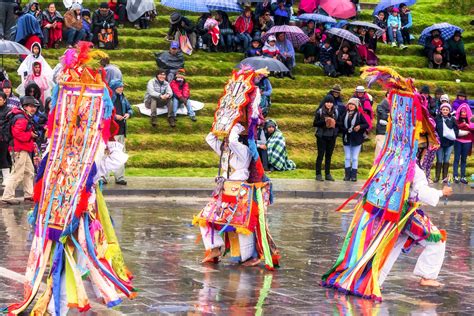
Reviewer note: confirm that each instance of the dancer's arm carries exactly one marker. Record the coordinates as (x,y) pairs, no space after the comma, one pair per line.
(424,192)
(214,142)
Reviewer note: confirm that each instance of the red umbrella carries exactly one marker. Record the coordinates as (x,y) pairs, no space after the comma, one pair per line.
(342,9)
(308,6)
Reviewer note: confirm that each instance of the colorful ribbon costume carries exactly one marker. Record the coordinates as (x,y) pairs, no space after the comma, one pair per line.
(73,233)
(383,207)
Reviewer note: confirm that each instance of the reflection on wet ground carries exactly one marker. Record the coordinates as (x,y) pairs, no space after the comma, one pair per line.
(159,246)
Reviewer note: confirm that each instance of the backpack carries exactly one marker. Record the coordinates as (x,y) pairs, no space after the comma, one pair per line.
(6,125)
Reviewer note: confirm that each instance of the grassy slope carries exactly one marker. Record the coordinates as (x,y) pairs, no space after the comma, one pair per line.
(183,152)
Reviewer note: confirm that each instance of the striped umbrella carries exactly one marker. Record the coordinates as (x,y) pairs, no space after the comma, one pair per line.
(378,30)
(293,33)
(12,48)
(344,34)
(317,18)
(447,31)
(186,5)
(223,5)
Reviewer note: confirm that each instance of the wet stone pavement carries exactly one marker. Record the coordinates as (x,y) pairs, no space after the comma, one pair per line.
(159,247)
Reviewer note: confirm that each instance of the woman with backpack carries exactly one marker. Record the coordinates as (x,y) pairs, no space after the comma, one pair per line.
(448,131)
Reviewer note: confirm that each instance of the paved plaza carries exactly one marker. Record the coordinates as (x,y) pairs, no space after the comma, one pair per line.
(159,247)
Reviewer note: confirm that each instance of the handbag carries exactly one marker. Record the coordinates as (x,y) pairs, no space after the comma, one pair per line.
(185,44)
(448,132)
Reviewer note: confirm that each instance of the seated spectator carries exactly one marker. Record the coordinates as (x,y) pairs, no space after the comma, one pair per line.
(335,92)
(263,83)
(181,94)
(435,50)
(394,26)
(211,26)
(8,7)
(112,72)
(463,143)
(12,100)
(33,8)
(276,148)
(28,30)
(310,49)
(381,22)
(180,25)
(226,40)
(456,54)
(327,59)
(371,44)
(243,30)
(287,52)
(118,7)
(353,126)
(73,25)
(326,120)
(141,12)
(123,111)
(281,13)
(255,49)
(407,23)
(159,94)
(265,23)
(461,97)
(87,24)
(171,60)
(5,159)
(26,67)
(345,65)
(365,104)
(270,49)
(69,3)
(202,32)
(104,31)
(52,24)
(262,7)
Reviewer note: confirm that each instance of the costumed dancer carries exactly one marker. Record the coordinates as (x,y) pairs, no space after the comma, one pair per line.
(387,214)
(74,239)
(234,221)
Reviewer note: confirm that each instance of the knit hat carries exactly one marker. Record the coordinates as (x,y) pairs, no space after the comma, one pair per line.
(425,89)
(336,88)
(360,89)
(328,98)
(445,105)
(256,38)
(29,100)
(439,90)
(395,10)
(114,84)
(175,17)
(181,72)
(271,38)
(444,97)
(75,6)
(354,101)
(6,84)
(104,5)
(462,93)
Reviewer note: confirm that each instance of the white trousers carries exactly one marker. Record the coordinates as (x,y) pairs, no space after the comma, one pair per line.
(429,262)
(246,242)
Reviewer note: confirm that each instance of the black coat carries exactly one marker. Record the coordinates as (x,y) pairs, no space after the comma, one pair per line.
(351,137)
(383,112)
(450,123)
(103,22)
(320,122)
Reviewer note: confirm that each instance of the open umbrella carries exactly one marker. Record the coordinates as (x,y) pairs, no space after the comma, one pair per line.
(341,9)
(378,30)
(383,4)
(293,33)
(223,5)
(271,64)
(316,17)
(447,31)
(186,5)
(308,5)
(12,48)
(344,34)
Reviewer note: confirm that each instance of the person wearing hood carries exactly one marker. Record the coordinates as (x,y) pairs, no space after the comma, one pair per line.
(353,126)
(7,17)
(73,25)
(345,64)
(180,25)
(276,148)
(366,104)
(123,111)
(407,23)
(181,94)
(281,13)
(28,30)
(243,29)
(158,94)
(5,159)
(22,130)
(448,131)
(287,52)
(461,97)
(12,100)
(103,23)
(326,121)
(456,52)
(310,49)
(270,49)
(463,143)
(33,8)
(26,67)
(52,24)
(255,48)
(41,81)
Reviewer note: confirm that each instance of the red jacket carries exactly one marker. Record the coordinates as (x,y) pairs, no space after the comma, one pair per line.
(180,90)
(241,26)
(21,132)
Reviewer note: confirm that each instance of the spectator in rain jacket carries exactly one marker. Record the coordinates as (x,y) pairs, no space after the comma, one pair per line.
(463,143)
(287,52)
(394,27)
(255,49)
(52,24)
(456,53)
(276,148)
(327,59)
(365,103)
(158,94)
(243,29)
(281,13)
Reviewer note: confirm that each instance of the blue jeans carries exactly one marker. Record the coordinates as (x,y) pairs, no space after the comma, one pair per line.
(226,40)
(461,150)
(397,33)
(176,104)
(443,154)
(244,39)
(352,156)
(73,36)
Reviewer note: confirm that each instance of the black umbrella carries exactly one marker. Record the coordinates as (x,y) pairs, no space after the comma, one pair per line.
(12,48)
(271,64)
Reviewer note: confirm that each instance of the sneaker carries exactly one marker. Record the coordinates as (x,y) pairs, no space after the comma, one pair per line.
(394,44)
(402,47)
(456,179)
(172,121)
(121,182)
(329,177)
(11,202)
(193,118)
(464,180)
(319,177)
(318,64)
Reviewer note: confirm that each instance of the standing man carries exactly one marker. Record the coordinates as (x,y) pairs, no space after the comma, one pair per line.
(123,111)
(22,130)
(158,94)
(383,111)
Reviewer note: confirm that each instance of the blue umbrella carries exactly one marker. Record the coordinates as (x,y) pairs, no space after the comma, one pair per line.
(383,4)
(447,31)
(316,17)
(223,5)
(186,5)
